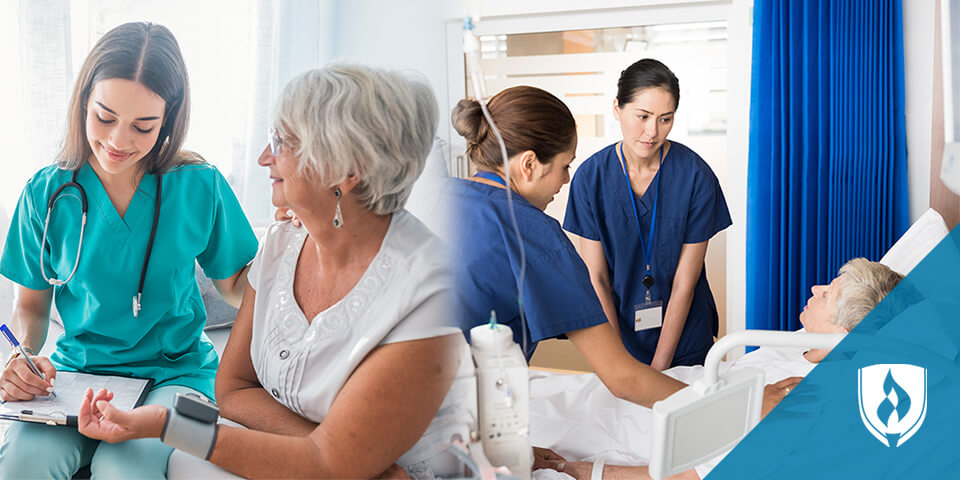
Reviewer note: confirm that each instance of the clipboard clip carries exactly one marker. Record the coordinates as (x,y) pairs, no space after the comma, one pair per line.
(52,418)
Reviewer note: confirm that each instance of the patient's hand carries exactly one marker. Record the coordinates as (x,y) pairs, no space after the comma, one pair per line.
(100,420)
(546,458)
(773,393)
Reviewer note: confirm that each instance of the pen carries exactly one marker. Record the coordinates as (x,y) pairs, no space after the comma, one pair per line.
(15,344)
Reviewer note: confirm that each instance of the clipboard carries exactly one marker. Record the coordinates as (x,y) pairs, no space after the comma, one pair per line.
(129,393)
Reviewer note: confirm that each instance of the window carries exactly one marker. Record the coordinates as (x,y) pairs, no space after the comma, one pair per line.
(231,50)
(581,67)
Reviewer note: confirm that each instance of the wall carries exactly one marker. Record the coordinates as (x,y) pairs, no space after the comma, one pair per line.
(942,198)
(919,19)
(407,35)
(738,145)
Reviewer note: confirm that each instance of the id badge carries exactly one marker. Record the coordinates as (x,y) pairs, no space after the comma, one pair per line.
(648,315)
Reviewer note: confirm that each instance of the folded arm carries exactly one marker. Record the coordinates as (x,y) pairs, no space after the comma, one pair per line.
(240,395)
(379,414)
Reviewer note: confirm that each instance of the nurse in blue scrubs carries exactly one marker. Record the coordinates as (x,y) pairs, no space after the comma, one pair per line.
(554,287)
(644,209)
(127,294)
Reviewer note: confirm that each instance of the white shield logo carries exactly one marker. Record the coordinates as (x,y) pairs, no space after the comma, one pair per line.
(893,401)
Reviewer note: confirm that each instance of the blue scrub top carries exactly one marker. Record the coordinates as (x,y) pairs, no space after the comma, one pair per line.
(691,209)
(557,294)
(200,220)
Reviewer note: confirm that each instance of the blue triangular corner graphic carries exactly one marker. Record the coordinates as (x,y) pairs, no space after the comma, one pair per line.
(821,430)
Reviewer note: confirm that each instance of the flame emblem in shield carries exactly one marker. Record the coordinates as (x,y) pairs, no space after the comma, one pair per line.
(893,401)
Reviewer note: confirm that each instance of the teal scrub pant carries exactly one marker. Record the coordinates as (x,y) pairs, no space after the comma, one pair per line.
(32,450)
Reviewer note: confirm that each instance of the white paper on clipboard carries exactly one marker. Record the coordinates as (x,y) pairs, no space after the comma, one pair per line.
(128,393)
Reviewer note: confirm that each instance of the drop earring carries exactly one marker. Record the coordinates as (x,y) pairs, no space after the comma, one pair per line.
(338,217)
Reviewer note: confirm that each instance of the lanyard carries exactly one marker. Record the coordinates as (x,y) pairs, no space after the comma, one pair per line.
(493,177)
(648,246)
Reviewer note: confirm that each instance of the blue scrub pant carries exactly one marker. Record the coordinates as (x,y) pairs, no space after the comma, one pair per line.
(32,450)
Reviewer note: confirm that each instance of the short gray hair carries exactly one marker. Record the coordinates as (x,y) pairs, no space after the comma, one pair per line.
(353,119)
(865,283)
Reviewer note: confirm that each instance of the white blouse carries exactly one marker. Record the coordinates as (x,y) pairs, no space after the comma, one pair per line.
(404,294)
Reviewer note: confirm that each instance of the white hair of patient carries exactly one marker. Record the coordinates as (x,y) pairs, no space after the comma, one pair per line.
(865,283)
(357,120)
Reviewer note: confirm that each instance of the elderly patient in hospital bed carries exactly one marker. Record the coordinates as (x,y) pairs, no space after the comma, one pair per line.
(580,419)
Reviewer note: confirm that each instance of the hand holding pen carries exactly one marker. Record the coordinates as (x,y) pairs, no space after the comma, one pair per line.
(24,380)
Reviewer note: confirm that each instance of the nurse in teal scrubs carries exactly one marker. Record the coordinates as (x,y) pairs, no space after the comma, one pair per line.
(127,293)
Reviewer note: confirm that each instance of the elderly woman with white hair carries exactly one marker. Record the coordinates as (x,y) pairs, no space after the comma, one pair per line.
(341,355)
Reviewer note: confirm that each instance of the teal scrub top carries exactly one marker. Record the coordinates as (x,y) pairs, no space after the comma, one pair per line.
(200,220)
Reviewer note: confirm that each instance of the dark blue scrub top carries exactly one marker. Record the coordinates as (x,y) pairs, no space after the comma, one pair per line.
(557,294)
(691,209)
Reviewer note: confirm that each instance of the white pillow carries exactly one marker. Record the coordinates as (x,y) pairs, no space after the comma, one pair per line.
(427,199)
(916,242)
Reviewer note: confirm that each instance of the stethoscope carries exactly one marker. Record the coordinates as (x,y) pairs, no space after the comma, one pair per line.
(83,223)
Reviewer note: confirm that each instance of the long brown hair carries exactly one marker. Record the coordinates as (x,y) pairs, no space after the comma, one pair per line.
(528,118)
(147,54)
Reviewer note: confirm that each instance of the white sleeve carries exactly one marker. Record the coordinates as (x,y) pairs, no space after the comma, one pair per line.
(253,274)
(429,311)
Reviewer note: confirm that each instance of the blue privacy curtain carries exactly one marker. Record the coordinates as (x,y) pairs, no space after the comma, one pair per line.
(827,170)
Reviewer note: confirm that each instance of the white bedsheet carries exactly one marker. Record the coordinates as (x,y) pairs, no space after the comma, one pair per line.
(575,415)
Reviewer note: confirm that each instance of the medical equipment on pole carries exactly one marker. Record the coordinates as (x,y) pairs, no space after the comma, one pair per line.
(503,389)
(713,414)
(471,51)
(503,393)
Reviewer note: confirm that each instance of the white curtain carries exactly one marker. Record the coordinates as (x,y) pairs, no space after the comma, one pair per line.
(291,37)
(34,51)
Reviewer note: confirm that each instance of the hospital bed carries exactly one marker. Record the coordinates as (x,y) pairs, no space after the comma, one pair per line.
(575,415)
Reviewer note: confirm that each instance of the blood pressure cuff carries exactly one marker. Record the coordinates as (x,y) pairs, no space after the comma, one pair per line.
(191,426)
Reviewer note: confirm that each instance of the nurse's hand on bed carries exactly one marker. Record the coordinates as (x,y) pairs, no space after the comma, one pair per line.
(284,214)
(18,382)
(100,420)
(774,392)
